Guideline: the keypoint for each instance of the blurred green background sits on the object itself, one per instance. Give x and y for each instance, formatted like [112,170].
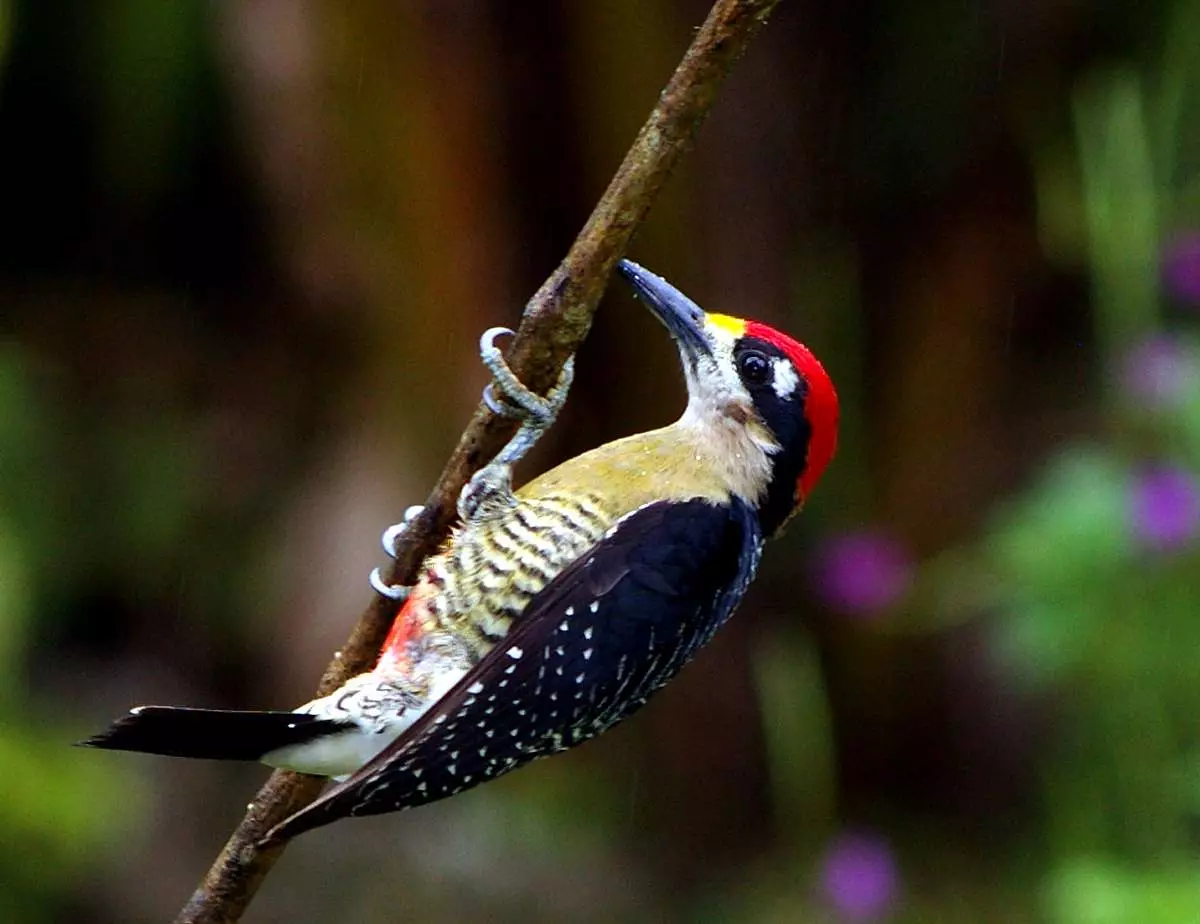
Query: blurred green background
[245,254]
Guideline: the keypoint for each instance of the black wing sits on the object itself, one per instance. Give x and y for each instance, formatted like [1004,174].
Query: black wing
[588,650]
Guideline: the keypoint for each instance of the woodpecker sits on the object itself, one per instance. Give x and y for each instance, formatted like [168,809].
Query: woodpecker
[554,611]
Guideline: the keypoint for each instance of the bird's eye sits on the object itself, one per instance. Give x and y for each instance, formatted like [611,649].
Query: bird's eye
[754,368]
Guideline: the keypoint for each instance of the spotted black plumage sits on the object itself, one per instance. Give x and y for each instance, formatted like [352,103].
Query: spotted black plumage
[589,650]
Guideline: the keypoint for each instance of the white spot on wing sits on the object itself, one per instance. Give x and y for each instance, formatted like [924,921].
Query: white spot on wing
[515,652]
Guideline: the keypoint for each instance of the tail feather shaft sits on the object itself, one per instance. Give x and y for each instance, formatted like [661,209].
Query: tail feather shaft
[216,734]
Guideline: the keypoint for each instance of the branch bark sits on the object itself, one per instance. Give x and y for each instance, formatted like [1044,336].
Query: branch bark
[553,325]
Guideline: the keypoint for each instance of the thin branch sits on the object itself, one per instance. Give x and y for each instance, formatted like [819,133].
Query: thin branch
[553,326]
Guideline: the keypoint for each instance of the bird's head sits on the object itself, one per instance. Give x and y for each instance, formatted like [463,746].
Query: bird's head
[760,397]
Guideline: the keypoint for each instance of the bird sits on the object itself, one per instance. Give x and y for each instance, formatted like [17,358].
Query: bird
[553,611]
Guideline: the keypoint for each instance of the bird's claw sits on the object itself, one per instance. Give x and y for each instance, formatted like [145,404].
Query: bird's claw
[490,489]
[391,535]
[507,396]
[397,592]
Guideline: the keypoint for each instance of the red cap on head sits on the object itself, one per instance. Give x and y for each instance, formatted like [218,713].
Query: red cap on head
[820,406]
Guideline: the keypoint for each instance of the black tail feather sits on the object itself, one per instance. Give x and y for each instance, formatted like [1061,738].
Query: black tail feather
[216,734]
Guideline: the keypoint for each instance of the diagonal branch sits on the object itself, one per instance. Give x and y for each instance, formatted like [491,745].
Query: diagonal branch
[553,326]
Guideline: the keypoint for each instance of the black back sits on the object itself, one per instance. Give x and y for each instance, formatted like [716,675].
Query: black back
[588,650]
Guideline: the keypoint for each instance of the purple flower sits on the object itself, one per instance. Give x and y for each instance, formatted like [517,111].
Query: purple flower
[1156,372]
[1181,267]
[859,879]
[863,572]
[1165,508]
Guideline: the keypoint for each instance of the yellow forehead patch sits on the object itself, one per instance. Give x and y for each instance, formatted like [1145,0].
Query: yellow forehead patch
[735,327]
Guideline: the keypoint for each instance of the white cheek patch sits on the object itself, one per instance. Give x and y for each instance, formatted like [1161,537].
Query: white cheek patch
[785,379]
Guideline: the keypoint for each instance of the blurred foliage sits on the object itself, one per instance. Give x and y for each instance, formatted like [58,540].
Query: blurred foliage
[1097,589]
[1095,892]
[54,815]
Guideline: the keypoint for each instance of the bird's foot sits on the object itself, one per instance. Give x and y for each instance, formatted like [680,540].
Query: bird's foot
[507,396]
[490,488]
[391,536]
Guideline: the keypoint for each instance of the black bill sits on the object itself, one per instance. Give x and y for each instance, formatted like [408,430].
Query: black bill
[681,316]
